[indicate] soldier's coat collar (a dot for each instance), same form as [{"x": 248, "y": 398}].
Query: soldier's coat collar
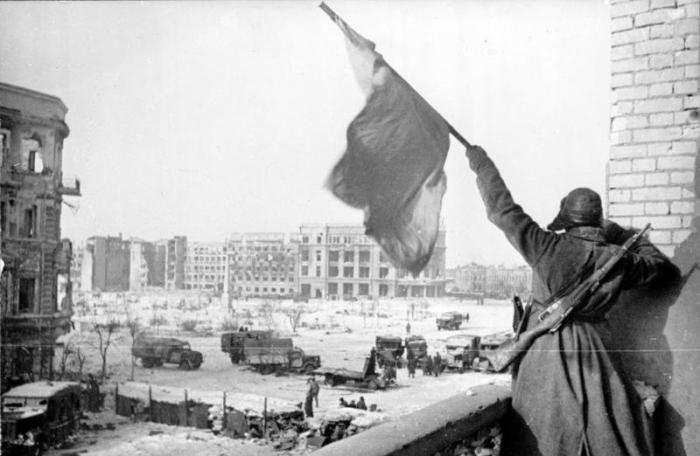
[{"x": 588, "y": 233}]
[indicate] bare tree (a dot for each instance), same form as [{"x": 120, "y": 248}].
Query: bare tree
[
  {"x": 267, "y": 312},
  {"x": 104, "y": 333},
  {"x": 294, "y": 315},
  {"x": 80, "y": 360},
  {"x": 68, "y": 350},
  {"x": 134, "y": 326}
]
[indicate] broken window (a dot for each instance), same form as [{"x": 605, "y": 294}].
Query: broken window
[
  {"x": 4, "y": 145},
  {"x": 29, "y": 223},
  {"x": 364, "y": 256},
  {"x": 363, "y": 289},
  {"x": 318, "y": 255},
  {"x": 333, "y": 271},
  {"x": 332, "y": 288},
  {"x": 318, "y": 271},
  {"x": 364, "y": 272},
  {"x": 349, "y": 256},
  {"x": 26, "y": 295},
  {"x": 333, "y": 255},
  {"x": 347, "y": 289},
  {"x": 31, "y": 155},
  {"x": 348, "y": 272},
  {"x": 383, "y": 290},
  {"x": 304, "y": 270},
  {"x": 383, "y": 273},
  {"x": 304, "y": 255}
]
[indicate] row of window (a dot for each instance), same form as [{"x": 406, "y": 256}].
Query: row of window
[
  {"x": 18, "y": 222},
  {"x": 348, "y": 271}
]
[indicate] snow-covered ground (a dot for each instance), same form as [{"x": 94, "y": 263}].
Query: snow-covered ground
[{"x": 343, "y": 335}]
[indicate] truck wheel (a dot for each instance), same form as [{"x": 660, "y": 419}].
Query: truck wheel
[
  {"x": 234, "y": 359},
  {"x": 329, "y": 380},
  {"x": 146, "y": 363},
  {"x": 186, "y": 365}
]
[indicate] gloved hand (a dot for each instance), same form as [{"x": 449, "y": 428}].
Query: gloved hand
[{"x": 476, "y": 156}]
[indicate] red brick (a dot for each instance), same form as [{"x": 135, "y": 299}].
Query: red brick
[
  {"x": 628, "y": 122},
  {"x": 681, "y": 235},
  {"x": 659, "y": 45},
  {"x": 619, "y": 196},
  {"x": 658, "y": 222},
  {"x": 624, "y": 66},
  {"x": 643, "y": 164},
  {"x": 656, "y": 179},
  {"x": 662, "y": 88},
  {"x": 625, "y": 51},
  {"x": 620, "y": 166},
  {"x": 664, "y": 118},
  {"x": 626, "y": 180},
  {"x": 629, "y": 36},
  {"x": 628, "y": 8},
  {"x": 620, "y": 23},
  {"x": 658, "y": 134},
  {"x": 621, "y": 108},
  {"x": 679, "y": 162},
  {"x": 659, "y": 16},
  {"x": 656, "y": 208},
  {"x": 683, "y": 87},
  {"x": 684, "y": 147},
  {"x": 660, "y": 237},
  {"x": 658, "y": 105},
  {"x": 683, "y": 207},
  {"x": 650, "y": 77},
  {"x": 660, "y": 61},
  {"x": 656, "y": 193},
  {"x": 624, "y": 79},
  {"x": 637, "y": 150},
  {"x": 626, "y": 209},
  {"x": 622, "y": 221},
  {"x": 682, "y": 177},
  {"x": 687, "y": 57},
  {"x": 620, "y": 137}
]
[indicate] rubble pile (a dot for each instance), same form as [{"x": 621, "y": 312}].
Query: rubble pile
[{"x": 485, "y": 442}]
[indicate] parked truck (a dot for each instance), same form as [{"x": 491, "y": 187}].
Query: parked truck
[
  {"x": 469, "y": 351},
  {"x": 155, "y": 351},
  {"x": 449, "y": 320},
  {"x": 416, "y": 348},
  {"x": 389, "y": 350},
  {"x": 366, "y": 378},
  {"x": 268, "y": 355},
  {"x": 233, "y": 342}
]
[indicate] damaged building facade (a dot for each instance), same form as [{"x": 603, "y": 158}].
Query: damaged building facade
[{"x": 35, "y": 286}]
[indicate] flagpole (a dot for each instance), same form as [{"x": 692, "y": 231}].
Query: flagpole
[{"x": 332, "y": 14}]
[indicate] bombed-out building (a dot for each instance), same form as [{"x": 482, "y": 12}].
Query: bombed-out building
[{"x": 35, "y": 286}]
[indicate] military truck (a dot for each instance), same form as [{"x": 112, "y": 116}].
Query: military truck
[
  {"x": 38, "y": 415},
  {"x": 449, "y": 321},
  {"x": 154, "y": 351},
  {"x": 232, "y": 342},
  {"x": 389, "y": 350},
  {"x": 278, "y": 354},
  {"x": 417, "y": 348},
  {"x": 462, "y": 350},
  {"x": 366, "y": 378}
]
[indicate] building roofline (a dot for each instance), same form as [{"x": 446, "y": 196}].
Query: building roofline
[{"x": 33, "y": 93}]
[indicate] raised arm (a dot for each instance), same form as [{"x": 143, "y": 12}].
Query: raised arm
[{"x": 521, "y": 231}]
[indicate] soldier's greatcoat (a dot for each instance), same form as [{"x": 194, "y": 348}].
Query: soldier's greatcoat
[{"x": 568, "y": 396}]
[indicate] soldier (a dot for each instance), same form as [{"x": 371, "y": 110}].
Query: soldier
[
  {"x": 309, "y": 401},
  {"x": 437, "y": 364},
  {"x": 411, "y": 367},
  {"x": 361, "y": 404},
  {"x": 569, "y": 396},
  {"x": 314, "y": 388},
  {"x": 428, "y": 365}
]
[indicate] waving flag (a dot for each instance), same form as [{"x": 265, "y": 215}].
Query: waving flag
[{"x": 393, "y": 165}]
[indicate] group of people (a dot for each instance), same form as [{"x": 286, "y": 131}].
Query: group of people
[
  {"x": 432, "y": 365},
  {"x": 360, "y": 404}
]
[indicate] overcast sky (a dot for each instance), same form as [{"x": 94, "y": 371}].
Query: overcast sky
[{"x": 208, "y": 118}]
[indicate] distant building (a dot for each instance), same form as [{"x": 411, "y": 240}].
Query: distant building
[
  {"x": 138, "y": 266},
  {"x": 156, "y": 264},
  {"x": 340, "y": 261},
  {"x": 35, "y": 285},
  {"x": 205, "y": 266},
  {"x": 175, "y": 254},
  {"x": 496, "y": 281},
  {"x": 111, "y": 263},
  {"x": 262, "y": 264}
]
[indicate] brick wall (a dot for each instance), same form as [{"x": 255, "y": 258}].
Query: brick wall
[
  {"x": 653, "y": 176},
  {"x": 654, "y": 119}
]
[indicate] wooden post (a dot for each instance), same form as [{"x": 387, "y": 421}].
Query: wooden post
[
  {"x": 223, "y": 414},
  {"x": 186, "y": 409},
  {"x": 116, "y": 399},
  {"x": 150, "y": 403},
  {"x": 265, "y": 418}
]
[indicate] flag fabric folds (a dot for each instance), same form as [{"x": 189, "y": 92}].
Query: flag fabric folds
[{"x": 393, "y": 165}]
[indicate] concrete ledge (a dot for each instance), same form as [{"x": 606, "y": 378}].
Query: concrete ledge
[{"x": 431, "y": 429}]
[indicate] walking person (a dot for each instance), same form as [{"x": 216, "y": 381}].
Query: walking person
[
  {"x": 437, "y": 364},
  {"x": 411, "y": 367},
  {"x": 309, "y": 401},
  {"x": 428, "y": 365},
  {"x": 315, "y": 388},
  {"x": 569, "y": 396}
]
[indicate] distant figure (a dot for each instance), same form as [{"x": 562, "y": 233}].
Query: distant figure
[
  {"x": 466, "y": 318},
  {"x": 361, "y": 404},
  {"x": 412, "y": 367},
  {"x": 408, "y": 328},
  {"x": 437, "y": 364},
  {"x": 352, "y": 404},
  {"x": 314, "y": 388},
  {"x": 428, "y": 366},
  {"x": 309, "y": 402},
  {"x": 343, "y": 403}
]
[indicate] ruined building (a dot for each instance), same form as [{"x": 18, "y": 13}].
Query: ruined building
[{"x": 35, "y": 286}]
